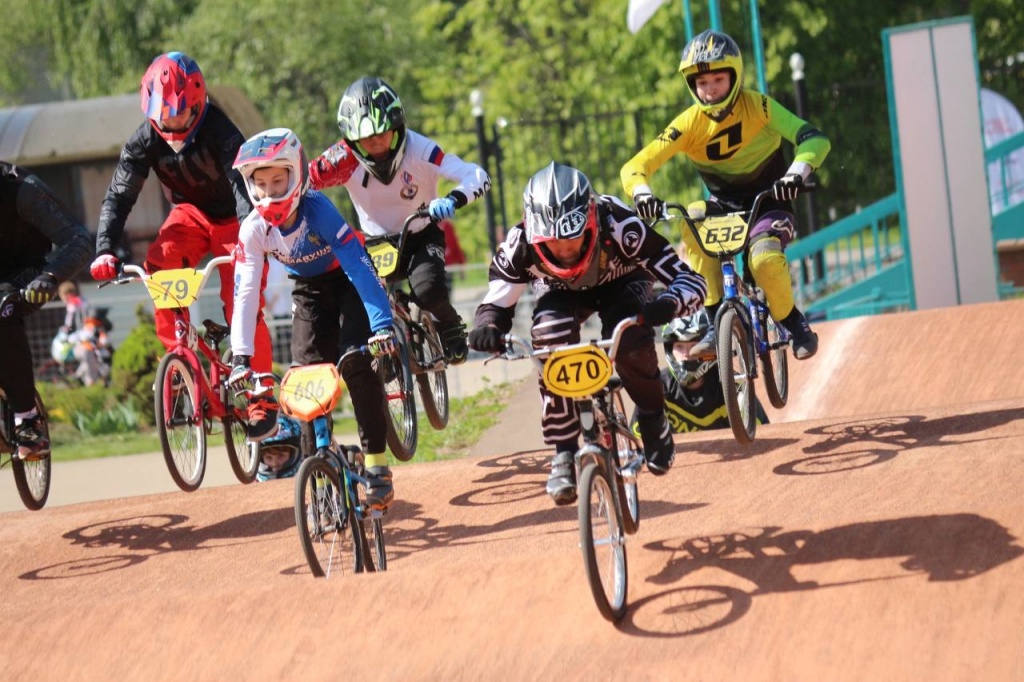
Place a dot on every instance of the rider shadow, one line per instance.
(145, 536)
(941, 548)
(728, 450)
(866, 442)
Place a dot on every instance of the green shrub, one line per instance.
(121, 418)
(133, 370)
(63, 403)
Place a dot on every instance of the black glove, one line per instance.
(42, 289)
(648, 206)
(661, 310)
(788, 186)
(488, 339)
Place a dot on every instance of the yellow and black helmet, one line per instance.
(712, 51)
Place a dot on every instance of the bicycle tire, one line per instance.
(376, 541)
(32, 477)
(735, 372)
(775, 362)
(185, 456)
(243, 456)
(606, 569)
(329, 528)
(629, 492)
(433, 384)
(394, 373)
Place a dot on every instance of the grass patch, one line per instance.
(68, 443)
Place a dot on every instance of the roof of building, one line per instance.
(93, 129)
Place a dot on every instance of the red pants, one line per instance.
(183, 240)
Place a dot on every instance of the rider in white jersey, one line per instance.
(390, 172)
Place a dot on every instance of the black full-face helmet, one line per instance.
(688, 329)
(559, 204)
(370, 107)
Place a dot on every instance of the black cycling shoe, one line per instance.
(379, 490)
(562, 479)
(30, 435)
(659, 448)
(805, 342)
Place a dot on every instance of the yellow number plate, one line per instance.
(174, 288)
(725, 233)
(310, 391)
(577, 372)
(384, 256)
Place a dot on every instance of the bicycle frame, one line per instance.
(190, 345)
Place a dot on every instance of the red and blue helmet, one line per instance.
(173, 84)
(274, 148)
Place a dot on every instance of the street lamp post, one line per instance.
(796, 65)
(476, 100)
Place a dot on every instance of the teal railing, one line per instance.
(857, 266)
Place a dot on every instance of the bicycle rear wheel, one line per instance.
(433, 384)
(242, 455)
(182, 436)
(393, 370)
(624, 454)
(603, 543)
(32, 477)
(329, 530)
(736, 373)
(775, 362)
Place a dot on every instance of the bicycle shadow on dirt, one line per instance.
(141, 537)
(866, 442)
(941, 548)
(727, 449)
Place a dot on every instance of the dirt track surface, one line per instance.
(877, 539)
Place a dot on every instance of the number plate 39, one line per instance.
(577, 372)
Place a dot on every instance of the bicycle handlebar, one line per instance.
(754, 209)
(525, 350)
(137, 273)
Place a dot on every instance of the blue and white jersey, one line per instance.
(320, 241)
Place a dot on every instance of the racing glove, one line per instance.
(487, 339)
(788, 186)
(441, 209)
(661, 310)
(241, 373)
(382, 343)
(42, 289)
(648, 206)
(104, 267)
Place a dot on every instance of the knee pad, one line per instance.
(703, 265)
(771, 272)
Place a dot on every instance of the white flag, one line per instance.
(639, 12)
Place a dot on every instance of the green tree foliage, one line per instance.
(556, 70)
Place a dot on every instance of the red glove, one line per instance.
(104, 267)
(334, 167)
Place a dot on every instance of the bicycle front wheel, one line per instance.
(624, 455)
(736, 373)
(603, 543)
(775, 362)
(433, 384)
(329, 529)
(242, 455)
(32, 477)
(182, 436)
(393, 370)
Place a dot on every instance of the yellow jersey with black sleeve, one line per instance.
(736, 157)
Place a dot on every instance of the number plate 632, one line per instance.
(577, 372)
